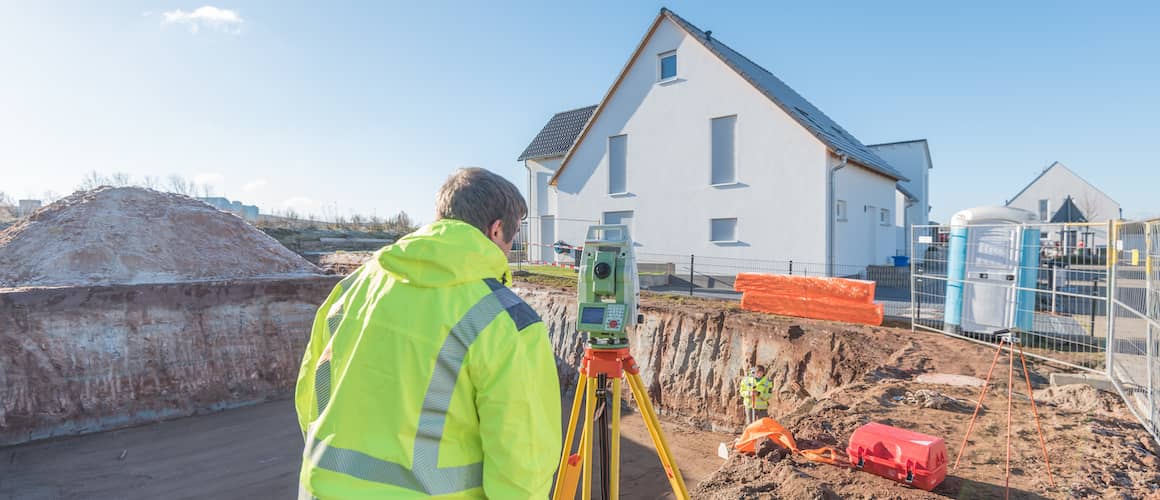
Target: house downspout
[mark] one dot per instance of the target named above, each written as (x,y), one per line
(831,221)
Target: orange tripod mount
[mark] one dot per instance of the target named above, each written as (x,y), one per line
(598,367)
(1011,338)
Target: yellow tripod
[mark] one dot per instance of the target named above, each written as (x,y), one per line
(598,366)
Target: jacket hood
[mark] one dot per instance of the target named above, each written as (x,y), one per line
(444,253)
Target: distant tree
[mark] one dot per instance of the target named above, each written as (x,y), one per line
(152,182)
(119,179)
(49,196)
(179,185)
(93,180)
(5,200)
(206,190)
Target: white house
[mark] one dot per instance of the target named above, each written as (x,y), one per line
(701,151)
(912,159)
(1059,195)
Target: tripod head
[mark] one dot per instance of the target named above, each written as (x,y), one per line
(1008,335)
(608,291)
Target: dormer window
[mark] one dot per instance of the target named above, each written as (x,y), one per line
(668,65)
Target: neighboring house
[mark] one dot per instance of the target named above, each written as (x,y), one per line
(1059,195)
(246,212)
(701,151)
(26,207)
(542,157)
(912,159)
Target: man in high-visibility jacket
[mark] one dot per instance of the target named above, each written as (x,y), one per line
(425,375)
(755,394)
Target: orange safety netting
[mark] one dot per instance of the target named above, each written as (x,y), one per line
(769,428)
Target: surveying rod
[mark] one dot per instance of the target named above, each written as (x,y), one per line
(607,298)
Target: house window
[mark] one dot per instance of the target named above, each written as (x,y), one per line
(622,217)
(723,230)
(668,65)
(723,158)
(617,160)
(1043,210)
(840,210)
(884,216)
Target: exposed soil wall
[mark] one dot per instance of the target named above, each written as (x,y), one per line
(82,359)
(697,352)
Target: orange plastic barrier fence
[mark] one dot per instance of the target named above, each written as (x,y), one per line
(835,299)
(804,286)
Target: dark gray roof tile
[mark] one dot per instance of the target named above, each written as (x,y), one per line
(558,135)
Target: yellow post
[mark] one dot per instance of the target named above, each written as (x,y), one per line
(568,439)
(614,448)
(589,398)
(654,426)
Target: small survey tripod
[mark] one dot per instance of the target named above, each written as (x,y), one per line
(598,367)
(1011,338)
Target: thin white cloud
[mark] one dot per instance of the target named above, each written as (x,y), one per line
(225,20)
(255,185)
(302,204)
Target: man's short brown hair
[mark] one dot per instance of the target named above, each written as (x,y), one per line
(480,197)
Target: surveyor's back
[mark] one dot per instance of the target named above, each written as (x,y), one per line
(426,376)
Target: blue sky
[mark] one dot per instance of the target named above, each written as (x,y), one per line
(368,106)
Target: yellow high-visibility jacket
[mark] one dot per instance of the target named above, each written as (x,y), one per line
(425,376)
(763,388)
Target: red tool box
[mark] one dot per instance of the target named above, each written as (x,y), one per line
(905,456)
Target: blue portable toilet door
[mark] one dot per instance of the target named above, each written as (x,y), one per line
(991,278)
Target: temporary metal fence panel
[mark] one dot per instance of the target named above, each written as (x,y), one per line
(1132,357)
(1047,280)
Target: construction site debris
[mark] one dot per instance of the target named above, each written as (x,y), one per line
(131,235)
(949,379)
(1077,398)
(926,398)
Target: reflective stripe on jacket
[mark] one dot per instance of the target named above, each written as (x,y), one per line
(426,376)
(762,386)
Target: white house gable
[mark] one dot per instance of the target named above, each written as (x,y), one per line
(1046,194)
(658,137)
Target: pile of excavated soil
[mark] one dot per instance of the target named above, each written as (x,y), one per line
(133,235)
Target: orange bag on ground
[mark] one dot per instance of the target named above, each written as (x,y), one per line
(765,427)
(768,427)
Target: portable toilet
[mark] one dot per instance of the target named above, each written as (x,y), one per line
(992,270)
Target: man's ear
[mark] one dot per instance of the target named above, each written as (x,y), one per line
(495,231)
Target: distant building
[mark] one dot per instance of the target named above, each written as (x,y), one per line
(1059,195)
(26,207)
(247,212)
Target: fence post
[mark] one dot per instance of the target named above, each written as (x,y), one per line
(1095,291)
(1110,337)
(1149,285)
(692,257)
(1054,285)
(791,268)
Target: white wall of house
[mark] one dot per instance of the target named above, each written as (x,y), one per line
(913,160)
(901,224)
(541,226)
(779,199)
(1055,185)
(862,237)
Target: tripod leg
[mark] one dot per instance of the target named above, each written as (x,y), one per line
(1010,393)
(978,405)
(654,427)
(1034,411)
(557,493)
(614,477)
(602,396)
(590,399)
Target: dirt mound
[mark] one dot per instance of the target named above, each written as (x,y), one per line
(133,235)
(1077,398)
(750,477)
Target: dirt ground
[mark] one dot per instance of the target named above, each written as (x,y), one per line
(1096,448)
(255,452)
